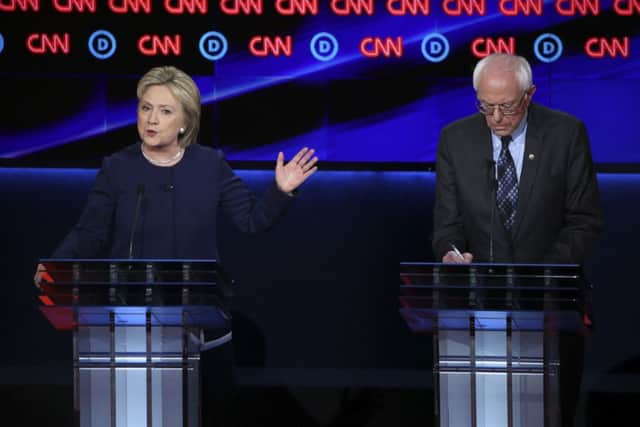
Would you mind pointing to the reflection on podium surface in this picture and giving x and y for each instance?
(494, 329)
(139, 327)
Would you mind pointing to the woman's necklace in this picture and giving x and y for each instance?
(174, 159)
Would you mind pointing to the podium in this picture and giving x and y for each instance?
(495, 337)
(138, 328)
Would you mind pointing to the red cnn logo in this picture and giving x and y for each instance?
(126, 6)
(178, 7)
(373, 47)
(573, 7)
(481, 46)
(469, 7)
(598, 47)
(245, 7)
(69, 6)
(300, 7)
(357, 7)
(40, 44)
(626, 7)
(153, 44)
(517, 7)
(412, 7)
(23, 5)
(276, 46)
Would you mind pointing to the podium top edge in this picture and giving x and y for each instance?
(128, 260)
(487, 264)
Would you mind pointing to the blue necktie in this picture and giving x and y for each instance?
(507, 195)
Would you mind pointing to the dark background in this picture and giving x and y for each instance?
(318, 339)
(69, 110)
(317, 334)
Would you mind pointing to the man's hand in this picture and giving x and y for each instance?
(453, 257)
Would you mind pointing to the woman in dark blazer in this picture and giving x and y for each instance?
(159, 198)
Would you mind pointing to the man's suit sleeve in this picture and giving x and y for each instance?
(447, 216)
(582, 213)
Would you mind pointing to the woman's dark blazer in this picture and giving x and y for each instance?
(176, 206)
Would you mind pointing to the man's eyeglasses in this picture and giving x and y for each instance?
(509, 109)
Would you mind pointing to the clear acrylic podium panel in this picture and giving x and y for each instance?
(137, 336)
(494, 329)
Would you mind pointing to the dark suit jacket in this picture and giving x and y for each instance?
(558, 212)
(178, 210)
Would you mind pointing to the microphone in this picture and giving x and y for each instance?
(492, 185)
(135, 218)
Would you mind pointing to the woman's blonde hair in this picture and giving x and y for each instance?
(184, 89)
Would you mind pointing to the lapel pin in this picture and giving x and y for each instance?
(532, 156)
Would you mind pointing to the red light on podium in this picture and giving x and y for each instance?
(574, 7)
(348, 7)
(599, 47)
(241, 7)
(153, 45)
(40, 44)
(374, 47)
(520, 7)
(468, 7)
(45, 300)
(484, 46)
(276, 46)
(411, 7)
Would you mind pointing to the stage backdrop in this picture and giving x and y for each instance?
(365, 82)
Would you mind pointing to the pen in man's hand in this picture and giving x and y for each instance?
(456, 250)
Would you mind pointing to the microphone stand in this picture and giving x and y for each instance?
(135, 218)
(492, 186)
